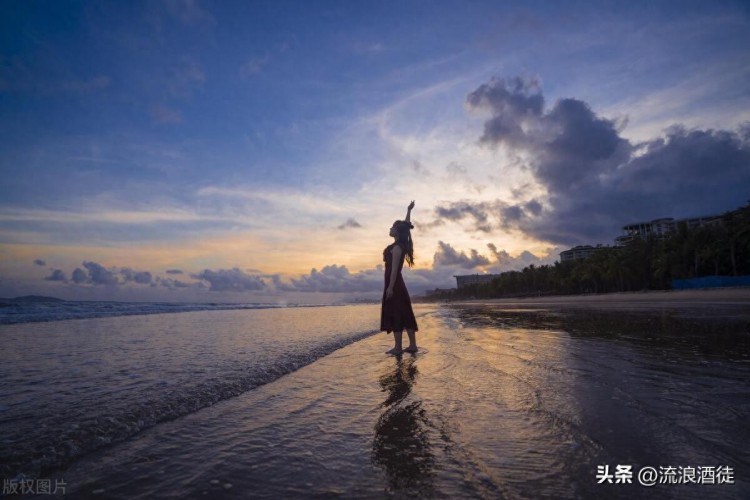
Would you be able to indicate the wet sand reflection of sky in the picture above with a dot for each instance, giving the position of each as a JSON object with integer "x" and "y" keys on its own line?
{"x": 715, "y": 333}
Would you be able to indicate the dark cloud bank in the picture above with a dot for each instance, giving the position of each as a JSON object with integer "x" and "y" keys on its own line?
{"x": 446, "y": 262}
{"x": 596, "y": 180}
{"x": 96, "y": 274}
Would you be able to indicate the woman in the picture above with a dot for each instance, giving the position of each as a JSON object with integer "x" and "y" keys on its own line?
{"x": 396, "y": 314}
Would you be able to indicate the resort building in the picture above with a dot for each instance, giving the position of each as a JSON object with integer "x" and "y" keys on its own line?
{"x": 579, "y": 252}
{"x": 660, "y": 228}
{"x": 474, "y": 279}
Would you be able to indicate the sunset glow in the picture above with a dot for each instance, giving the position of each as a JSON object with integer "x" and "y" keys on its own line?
{"x": 225, "y": 150}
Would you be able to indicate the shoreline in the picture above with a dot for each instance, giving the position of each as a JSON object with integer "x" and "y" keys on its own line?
{"x": 709, "y": 304}
{"x": 705, "y": 296}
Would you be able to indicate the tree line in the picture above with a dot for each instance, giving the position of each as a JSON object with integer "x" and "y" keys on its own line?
{"x": 645, "y": 263}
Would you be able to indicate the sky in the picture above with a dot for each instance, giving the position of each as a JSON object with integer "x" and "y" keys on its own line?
{"x": 259, "y": 151}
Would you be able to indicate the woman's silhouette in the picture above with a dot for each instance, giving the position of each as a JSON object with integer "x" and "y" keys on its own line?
{"x": 396, "y": 314}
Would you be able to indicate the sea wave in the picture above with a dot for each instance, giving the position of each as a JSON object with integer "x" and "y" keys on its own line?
{"x": 55, "y": 449}
{"x": 15, "y": 312}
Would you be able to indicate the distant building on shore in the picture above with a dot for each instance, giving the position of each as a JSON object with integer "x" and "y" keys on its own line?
{"x": 580, "y": 252}
{"x": 661, "y": 228}
{"x": 474, "y": 279}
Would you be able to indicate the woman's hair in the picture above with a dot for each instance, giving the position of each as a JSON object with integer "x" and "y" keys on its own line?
{"x": 403, "y": 237}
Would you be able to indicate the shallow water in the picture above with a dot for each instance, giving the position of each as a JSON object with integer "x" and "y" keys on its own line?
{"x": 565, "y": 392}
{"x": 70, "y": 387}
{"x": 504, "y": 404}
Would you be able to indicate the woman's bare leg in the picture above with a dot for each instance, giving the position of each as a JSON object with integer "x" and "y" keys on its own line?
{"x": 412, "y": 341}
{"x": 397, "y": 336}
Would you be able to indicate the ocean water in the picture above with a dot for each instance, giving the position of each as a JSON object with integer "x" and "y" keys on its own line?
{"x": 70, "y": 387}
{"x": 31, "y": 311}
{"x": 300, "y": 403}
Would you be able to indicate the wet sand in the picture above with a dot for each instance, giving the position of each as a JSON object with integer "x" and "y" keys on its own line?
{"x": 506, "y": 402}
{"x": 737, "y": 299}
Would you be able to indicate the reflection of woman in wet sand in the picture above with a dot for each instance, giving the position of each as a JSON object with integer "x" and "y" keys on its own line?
{"x": 396, "y": 313}
{"x": 401, "y": 445}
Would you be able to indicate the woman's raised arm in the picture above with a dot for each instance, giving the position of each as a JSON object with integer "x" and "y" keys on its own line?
{"x": 408, "y": 211}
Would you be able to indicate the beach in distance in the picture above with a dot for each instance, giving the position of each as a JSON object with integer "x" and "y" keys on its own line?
{"x": 555, "y": 397}
{"x": 683, "y": 301}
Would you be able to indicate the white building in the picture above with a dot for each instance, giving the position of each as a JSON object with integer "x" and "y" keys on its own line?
{"x": 660, "y": 228}
{"x": 579, "y": 252}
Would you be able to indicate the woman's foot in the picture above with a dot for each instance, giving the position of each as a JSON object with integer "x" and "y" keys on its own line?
{"x": 395, "y": 351}
{"x": 411, "y": 349}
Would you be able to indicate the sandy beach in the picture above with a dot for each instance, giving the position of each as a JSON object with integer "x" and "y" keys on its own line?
{"x": 508, "y": 399}
{"x": 681, "y": 301}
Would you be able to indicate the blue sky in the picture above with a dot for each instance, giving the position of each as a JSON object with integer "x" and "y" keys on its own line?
{"x": 245, "y": 144}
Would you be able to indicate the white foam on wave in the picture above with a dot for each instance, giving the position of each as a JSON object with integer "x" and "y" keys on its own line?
{"x": 170, "y": 402}
{"x": 32, "y": 312}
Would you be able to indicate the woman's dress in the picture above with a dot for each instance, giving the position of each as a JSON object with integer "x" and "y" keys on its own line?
{"x": 396, "y": 313}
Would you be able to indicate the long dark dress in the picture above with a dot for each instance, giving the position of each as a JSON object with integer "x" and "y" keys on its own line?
{"x": 396, "y": 313}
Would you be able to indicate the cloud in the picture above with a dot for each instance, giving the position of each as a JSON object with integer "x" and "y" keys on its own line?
{"x": 419, "y": 168}
{"x": 99, "y": 275}
{"x": 458, "y": 173}
{"x": 479, "y": 212}
{"x": 57, "y": 275}
{"x": 505, "y": 262}
{"x": 515, "y": 105}
{"x": 448, "y": 261}
{"x": 349, "y": 224}
{"x": 140, "y": 277}
{"x": 569, "y": 143}
{"x": 335, "y": 278}
{"x": 230, "y": 280}
{"x": 39, "y": 262}
{"x": 94, "y": 273}
{"x": 447, "y": 256}
{"x": 486, "y": 216}
{"x": 597, "y": 181}
{"x": 80, "y": 276}
{"x": 234, "y": 280}
{"x": 338, "y": 279}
